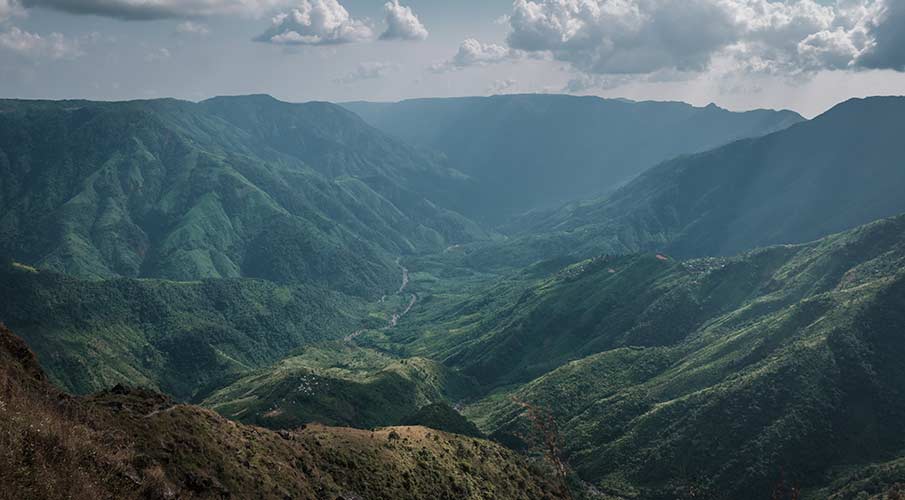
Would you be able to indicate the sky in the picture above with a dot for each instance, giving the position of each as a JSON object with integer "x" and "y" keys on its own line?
{"x": 805, "y": 55}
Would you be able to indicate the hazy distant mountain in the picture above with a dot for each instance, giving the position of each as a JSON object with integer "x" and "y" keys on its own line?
{"x": 243, "y": 186}
{"x": 531, "y": 151}
{"x": 837, "y": 171}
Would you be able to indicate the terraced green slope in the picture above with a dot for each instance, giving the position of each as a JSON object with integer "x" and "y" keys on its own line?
{"x": 176, "y": 190}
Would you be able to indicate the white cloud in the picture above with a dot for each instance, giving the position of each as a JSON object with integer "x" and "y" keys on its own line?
{"x": 501, "y": 86}
{"x": 368, "y": 71}
{"x": 316, "y": 22}
{"x": 886, "y": 30}
{"x": 192, "y": 28}
{"x": 402, "y": 23}
{"x": 52, "y": 46}
{"x": 158, "y": 9}
{"x": 642, "y": 37}
{"x": 475, "y": 53}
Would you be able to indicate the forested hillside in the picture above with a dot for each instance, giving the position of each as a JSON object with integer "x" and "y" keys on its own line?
{"x": 178, "y": 337}
{"x": 176, "y": 190}
{"x": 715, "y": 375}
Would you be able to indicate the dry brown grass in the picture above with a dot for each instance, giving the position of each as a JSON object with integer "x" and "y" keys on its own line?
{"x": 132, "y": 443}
{"x": 46, "y": 453}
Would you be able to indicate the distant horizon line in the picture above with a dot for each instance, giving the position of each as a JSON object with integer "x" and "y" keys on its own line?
{"x": 450, "y": 98}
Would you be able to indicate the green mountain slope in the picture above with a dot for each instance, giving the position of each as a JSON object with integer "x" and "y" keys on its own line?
{"x": 176, "y": 190}
{"x": 128, "y": 443}
{"x": 711, "y": 377}
{"x": 179, "y": 337}
{"x": 730, "y": 373}
{"x": 833, "y": 173}
{"x": 339, "y": 384}
{"x": 536, "y": 151}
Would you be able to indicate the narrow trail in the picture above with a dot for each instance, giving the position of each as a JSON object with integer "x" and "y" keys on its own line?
{"x": 394, "y": 319}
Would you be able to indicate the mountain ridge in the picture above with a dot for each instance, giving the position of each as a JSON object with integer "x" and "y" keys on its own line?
{"x": 538, "y": 150}
{"x": 175, "y": 191}
{"x": 835, "y": 172}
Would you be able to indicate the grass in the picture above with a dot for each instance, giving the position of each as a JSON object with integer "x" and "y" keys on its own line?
{"x": 131, "y": 443}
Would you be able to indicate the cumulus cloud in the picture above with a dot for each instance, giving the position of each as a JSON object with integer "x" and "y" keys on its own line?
{"x": 52, "y": 46}
{"x": 192, "y": 28}
{"x": 402, "y": 23}
{"x": 475, "y": 53}
{"x": 368, "y": 71}
{"x": 156, "y": 9}
{"x": 642, "y": 37}
{"x": 887, "y": 33}
{"x": 316, "y": 22}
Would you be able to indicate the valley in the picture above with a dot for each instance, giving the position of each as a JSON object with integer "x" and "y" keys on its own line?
{"x": 322, "y": 306}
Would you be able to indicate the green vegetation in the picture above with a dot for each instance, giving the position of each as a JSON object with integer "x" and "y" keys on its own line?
{"x": 665, "y": 377}
{"x": 246, "y": 254}
{"x": 180, "y": 337}
{"x": 780, "y": 360}
{"x": 445, "y": 418}
{"x": 339, "y": 385}
{"x": 128, "y": 443}
{"x": 176, "y": 190}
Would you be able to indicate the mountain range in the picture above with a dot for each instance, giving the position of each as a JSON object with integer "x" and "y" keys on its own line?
{"x": 177, "y": 190}
{"x": 527, "y": 296}
{"x": 835, "y": 172}
{"x": 538, "y": 151}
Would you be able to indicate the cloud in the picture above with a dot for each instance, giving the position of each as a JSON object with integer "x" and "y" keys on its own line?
{"x": 887, "y": 50}
{"x": 316, "y": 22}
{"x": 52, "y": 46}
{"x": 643, "y": 37}
{"x": 474, "y": 53}
{"x": 618, "y": 36}
{"x": 501, "y": 86}
{"x": 192, "y": 28}
{"x": 368, "y": 71}
{"x": 402, "y": 23}
{"x": 8, "y": 8}
{"x": 141, "y": 10}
